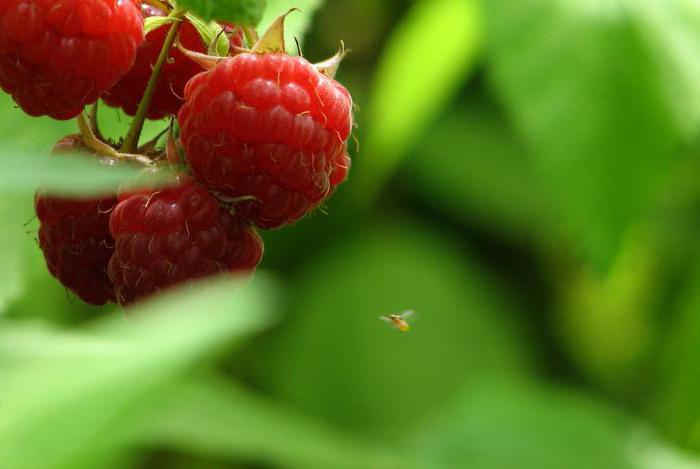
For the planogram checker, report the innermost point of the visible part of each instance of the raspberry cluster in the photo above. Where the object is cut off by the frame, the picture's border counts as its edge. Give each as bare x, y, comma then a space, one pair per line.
257, 139
127, 246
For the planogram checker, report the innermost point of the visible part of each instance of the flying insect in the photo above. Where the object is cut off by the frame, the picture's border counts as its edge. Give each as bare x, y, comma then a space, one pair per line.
398, 321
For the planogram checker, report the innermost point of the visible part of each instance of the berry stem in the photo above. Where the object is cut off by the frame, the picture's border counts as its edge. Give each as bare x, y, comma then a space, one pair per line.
101, 148
91, 140
132, 138
94, 125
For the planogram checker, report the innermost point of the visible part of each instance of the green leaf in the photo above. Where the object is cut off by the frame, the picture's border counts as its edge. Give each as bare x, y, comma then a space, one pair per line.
608, 323
27, 133
39, 134
495, 424
67, 396
243, 12
671, 31
678, 408
425, 61
216, 418
23, 270
336, 349
604, 113
14, 215
490, 178
23, 172
649, 451
295, 24
56, 303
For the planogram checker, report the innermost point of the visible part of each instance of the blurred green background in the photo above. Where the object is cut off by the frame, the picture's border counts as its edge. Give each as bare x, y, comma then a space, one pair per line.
527, 180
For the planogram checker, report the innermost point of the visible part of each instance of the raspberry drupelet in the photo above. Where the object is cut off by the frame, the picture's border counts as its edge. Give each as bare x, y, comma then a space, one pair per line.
269, 132
174, 234
57, 56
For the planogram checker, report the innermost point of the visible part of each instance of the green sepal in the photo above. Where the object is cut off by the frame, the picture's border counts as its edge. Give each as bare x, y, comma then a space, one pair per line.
154, 22
272, 40
213, 35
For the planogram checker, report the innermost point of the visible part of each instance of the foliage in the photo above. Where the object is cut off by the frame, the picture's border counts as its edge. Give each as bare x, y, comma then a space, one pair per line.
436, 45
527, 182
604, 130
246, 12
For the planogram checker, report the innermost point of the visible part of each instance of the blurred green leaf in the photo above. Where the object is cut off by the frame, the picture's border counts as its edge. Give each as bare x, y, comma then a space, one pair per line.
583, 82
246, 12
24, 171
56, 303
30, 133
23, 270
424, 62
295, 24
607, 323
471, 166
671, 31
648, 451
14, 215
499, 425
217, 418
338, 360
67, 396
114, 125
678, 404
39, 134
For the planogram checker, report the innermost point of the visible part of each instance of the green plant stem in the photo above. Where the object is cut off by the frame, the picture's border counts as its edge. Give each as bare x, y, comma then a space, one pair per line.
91, 140
132, 138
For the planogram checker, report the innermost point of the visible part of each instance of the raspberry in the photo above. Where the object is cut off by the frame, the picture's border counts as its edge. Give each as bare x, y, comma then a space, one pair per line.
269, 130
74, 237
57, 56
175, 234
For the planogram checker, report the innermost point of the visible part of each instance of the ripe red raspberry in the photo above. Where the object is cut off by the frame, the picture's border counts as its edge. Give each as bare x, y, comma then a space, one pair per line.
175, 234
57, 56
269, 129
74, 237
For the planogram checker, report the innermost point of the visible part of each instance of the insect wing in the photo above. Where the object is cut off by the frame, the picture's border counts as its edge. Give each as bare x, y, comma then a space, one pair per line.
407, 314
